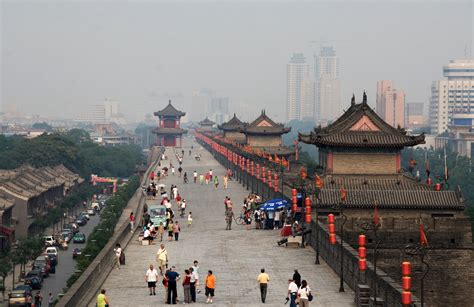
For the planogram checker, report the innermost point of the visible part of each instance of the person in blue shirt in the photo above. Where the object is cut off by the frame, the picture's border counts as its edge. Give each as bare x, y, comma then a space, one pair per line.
172, 277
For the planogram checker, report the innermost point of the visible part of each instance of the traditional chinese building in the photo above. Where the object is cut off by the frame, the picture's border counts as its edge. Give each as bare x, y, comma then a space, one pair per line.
169, 131
206, 124
263, 134
232, 130
359, 154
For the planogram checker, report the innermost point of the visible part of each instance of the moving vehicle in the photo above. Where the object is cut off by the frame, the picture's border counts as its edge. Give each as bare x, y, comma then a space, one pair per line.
34, 279
43, 263
20, 297
157, 214
51, 251
79, 238
49, 240
76, 253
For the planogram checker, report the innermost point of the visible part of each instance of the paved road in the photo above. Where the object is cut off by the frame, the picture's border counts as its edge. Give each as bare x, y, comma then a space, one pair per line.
235, 256
66, 266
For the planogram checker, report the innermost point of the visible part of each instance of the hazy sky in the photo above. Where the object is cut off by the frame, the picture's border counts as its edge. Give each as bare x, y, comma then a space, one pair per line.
60, 57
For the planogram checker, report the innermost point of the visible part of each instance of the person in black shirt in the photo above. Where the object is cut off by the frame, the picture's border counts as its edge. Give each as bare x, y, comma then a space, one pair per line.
297, 278
172, 277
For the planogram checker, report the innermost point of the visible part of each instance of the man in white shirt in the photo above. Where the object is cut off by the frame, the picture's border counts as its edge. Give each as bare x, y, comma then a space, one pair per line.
162, 258
194, 280
292, 292
195, 268
117, 253
150, 277
195, 176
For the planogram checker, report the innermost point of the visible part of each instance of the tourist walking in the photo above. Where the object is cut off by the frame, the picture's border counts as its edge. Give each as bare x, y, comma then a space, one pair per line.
297, 278
172, 277
304, 294
292, 292
183, 207
210, 286
226, 179
216, 182
102, 300
185, 178
132, 221
151, 277
180, 169
162, 258
172, 170
117, 253
50, 300
229, 216
170, 230
187, 287
176, 230
201, 179
195, 176
161, 231
192, 283
196, 271
263, 280
208, 178
38, 299
190, 219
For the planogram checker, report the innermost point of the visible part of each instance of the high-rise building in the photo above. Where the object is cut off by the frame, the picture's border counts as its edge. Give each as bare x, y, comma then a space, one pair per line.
201, 100
106, 112
299, 101
327, 86
452, 95
218, 110
414, 114
390, 103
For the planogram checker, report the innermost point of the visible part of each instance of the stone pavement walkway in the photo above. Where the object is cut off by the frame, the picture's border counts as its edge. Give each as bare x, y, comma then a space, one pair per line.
235, 256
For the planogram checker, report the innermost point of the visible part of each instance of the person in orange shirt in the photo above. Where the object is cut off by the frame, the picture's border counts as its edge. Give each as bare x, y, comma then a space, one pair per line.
210, 286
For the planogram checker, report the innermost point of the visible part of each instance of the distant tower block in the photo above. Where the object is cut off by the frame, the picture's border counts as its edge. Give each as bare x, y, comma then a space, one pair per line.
169, 132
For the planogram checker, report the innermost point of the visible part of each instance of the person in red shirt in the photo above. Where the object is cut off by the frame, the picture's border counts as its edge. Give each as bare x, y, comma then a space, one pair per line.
187, 286
132, 221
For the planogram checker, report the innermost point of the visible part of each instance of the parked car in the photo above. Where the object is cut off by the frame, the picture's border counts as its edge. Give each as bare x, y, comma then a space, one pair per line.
34, 279
51, 251
81, 221
85, 214
79, 238
44, 264
73, 227
67, 235
20, 298
49, 240
76, 253
91, 211
54, 262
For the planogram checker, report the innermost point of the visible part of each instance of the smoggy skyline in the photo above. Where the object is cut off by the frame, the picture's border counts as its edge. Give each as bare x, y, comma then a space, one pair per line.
58, 58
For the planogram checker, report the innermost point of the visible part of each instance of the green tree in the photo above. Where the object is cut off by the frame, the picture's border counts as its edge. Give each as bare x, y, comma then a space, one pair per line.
42, 126
5, 269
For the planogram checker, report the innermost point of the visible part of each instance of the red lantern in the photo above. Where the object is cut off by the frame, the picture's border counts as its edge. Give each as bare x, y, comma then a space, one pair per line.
362, 252
332, 238
429, 181
406, 297
332, 228
307, 203
331, 218
362, 264
406, 283
251, 168
258, 171
294, 192
438, 186
269, 179
275, 184
406, 268
362, 241
264, 178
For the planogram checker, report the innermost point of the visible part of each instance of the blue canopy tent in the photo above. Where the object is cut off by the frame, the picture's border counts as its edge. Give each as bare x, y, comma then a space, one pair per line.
274, 204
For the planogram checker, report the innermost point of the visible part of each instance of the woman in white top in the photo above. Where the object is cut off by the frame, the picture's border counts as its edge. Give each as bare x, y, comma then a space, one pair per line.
303, 294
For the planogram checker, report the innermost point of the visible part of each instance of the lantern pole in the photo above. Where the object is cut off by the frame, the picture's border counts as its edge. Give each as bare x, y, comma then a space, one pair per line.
418, 250
339, 207
372, 226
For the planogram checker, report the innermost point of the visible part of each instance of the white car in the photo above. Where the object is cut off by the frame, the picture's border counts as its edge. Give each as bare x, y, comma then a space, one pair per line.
91, 211
52, 251
49, 240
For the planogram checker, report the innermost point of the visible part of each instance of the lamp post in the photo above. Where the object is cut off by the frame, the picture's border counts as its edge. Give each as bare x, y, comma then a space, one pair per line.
373, 227
418, 250
339, 207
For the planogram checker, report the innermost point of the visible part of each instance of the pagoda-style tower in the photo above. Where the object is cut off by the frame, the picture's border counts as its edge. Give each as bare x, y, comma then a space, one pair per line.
169, 131
232, 129
359, 154
206, 124
263, 133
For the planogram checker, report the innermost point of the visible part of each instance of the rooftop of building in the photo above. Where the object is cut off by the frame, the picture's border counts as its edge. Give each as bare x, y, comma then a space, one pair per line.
234, 124
264, 125
163, 130
170, 110
206, 122
360, 126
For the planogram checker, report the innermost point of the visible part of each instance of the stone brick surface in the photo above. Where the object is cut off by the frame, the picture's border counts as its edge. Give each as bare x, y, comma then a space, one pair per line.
235, 256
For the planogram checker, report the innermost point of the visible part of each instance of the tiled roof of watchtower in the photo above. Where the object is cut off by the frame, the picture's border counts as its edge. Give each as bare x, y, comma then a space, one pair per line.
206, 122
169, 110
234, 124
360, 126
265, 125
